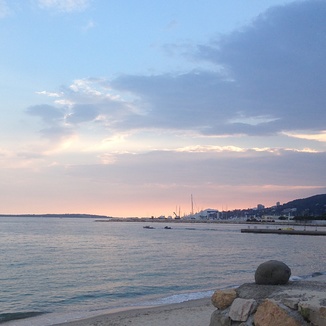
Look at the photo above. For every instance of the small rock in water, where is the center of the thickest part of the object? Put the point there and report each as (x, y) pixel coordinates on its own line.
(272, 272)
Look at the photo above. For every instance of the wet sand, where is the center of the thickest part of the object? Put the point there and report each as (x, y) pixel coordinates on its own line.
(190, 313)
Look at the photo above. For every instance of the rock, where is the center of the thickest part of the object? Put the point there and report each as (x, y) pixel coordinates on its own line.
(222, 299)
(219, 318)
(258, 292)
(289, 290)
(291, 303)
(313, 313)
(270, 314)
(295, 303)
(241, 309)
(272, 272)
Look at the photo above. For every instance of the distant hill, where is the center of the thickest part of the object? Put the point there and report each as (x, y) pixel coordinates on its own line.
(311, 206)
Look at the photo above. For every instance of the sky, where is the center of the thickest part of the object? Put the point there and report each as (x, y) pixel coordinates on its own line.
(127, 108)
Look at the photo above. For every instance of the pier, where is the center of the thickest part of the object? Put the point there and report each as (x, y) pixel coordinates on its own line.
(284, 231)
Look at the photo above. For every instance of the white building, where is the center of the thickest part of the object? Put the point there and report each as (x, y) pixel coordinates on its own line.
(209, 214)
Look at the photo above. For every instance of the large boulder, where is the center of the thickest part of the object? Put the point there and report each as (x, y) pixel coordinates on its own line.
(272, 272)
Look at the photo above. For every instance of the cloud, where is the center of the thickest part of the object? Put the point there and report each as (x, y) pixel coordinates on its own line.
(49, 94)
(272, 79)
(203, 169)
(318, 137)
(269, 80)
(64, 5)
(85, 101)
(82, 113)
(49, 114)
(277, 65)
(56, 129)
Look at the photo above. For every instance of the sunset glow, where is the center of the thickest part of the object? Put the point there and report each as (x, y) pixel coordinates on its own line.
(125, 110)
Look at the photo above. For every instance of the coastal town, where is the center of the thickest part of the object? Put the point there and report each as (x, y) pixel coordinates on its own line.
(300, 210)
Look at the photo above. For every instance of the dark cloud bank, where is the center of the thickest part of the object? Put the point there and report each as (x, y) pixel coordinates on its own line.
(273, 69)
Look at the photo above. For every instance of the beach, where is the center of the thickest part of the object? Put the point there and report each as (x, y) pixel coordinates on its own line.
(190, 313)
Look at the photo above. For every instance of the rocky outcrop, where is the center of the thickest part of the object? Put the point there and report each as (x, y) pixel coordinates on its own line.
(272, 272)
(293, 304)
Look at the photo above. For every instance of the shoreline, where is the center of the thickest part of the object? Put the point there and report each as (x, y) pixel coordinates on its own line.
(196, 312)
(129, 315)
(189, 313)
(193, 312)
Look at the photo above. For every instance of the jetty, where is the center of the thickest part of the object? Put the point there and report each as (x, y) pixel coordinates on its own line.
(283, 231)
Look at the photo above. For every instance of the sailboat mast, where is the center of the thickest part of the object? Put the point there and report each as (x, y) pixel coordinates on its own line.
(192, 205)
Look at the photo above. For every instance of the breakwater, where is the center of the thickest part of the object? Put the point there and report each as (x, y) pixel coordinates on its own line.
(284, 231)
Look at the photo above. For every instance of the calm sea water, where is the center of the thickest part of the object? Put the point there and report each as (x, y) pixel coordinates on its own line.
(70, 268)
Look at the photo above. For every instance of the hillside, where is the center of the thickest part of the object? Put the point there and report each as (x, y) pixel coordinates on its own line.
(311, 206)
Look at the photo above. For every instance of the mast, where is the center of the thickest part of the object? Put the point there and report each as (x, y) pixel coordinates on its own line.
(192, 205)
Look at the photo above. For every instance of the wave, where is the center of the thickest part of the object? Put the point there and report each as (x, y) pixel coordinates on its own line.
(307, 277)
(183, 297)
(4, 317)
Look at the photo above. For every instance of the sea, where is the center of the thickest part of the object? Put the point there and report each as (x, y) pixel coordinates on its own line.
(55, 270)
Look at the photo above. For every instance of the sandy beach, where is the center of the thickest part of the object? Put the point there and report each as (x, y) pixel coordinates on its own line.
(190, 313)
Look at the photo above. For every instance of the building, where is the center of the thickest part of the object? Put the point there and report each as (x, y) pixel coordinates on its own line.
(209, 214)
